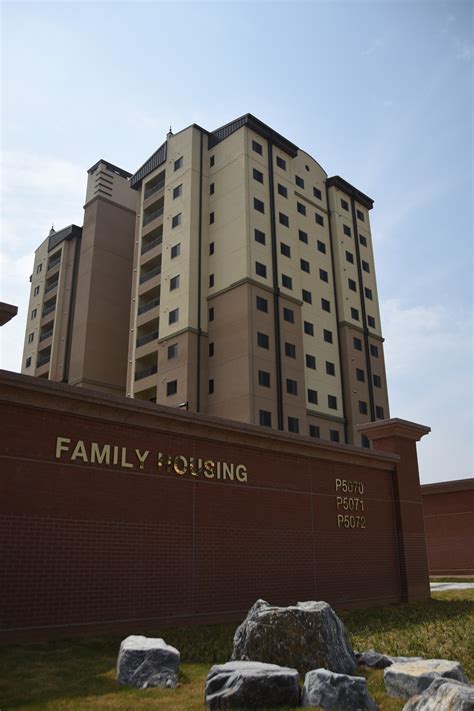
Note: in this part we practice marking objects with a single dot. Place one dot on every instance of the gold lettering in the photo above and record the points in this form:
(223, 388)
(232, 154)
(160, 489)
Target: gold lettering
(124, 462)
(142, 457)
(192, 466)
(164, 460)
(100, 455)
(209, 469)
(338, 484)
(116, 455)
(62, 446)
(79, 452)
(184, 464)
(241, 473)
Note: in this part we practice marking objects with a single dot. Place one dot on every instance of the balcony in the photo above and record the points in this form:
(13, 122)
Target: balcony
(152, 243)
(147, 338)
(43, 357)
(148, 305)
(46, 334)
(151, 188)
(146, 276)
(54, 261)
(48, 308)
(52, 285)
(148, 216)
(145, 372)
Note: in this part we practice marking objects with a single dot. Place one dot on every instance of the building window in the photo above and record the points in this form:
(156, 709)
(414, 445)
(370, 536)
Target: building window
(34, 313)
(362, 407)
(172, 351)
(260, 236)
(357, 344)
(301, 208)
(28, 362)
(211, 314)
(314, 431)
(317, 193)
(36, 291)
(212, 188)
(173, 316)
(262, 304)
(258, 205)
(321, 246)
(371, 321)
(368, 293)
(284, 219)
(211, 281)
(325, 305)
(175, 250)
(299, 181)
(211, 350)
(288, 315)
(354, 314)
(363, 240)
(364, 440)
(211, 218)
(310, 361)
(176, 220)
(178, 163)
(379, 412)
(265, 418)
(319, 218)
(211, 248)
(212, 160)
(286, 281)
(282, 190)
(347, 230)
(360, 375)
(174, 282)
(308, 328)
(313, 396)
(264, 379)
(327, 335)
(377, 381)
(303, 236)
(177, 191)
(360, 215)
(323, 275)
(307, 296)
(293, 425)
(39, 268)
(334, 435)
(350, 257)
(290, 350)
(374, 351)
(281, 163)
(285, 249)
(210, 389)
(261, 269)
(345, 205)
(332, 402)
(352, 284)
(365, 267)
(262, 340)
(291, 387)
(330, 368)
(31, 338)
(304, 265)
(257, 175)
(171, 388)
(257, 147)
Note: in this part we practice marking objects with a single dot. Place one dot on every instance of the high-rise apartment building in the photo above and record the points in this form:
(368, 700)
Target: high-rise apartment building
(254, 294)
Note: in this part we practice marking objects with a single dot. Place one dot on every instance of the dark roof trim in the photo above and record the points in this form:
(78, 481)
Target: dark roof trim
(66, 233)
(337, 182)
(259, 127)
(157, 159)
(447, 487)
(111, 167)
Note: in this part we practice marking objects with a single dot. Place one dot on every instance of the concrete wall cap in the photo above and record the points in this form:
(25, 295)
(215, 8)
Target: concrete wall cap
(394, 427)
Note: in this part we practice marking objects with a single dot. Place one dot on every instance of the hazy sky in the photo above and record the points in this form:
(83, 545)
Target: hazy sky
(378, 92)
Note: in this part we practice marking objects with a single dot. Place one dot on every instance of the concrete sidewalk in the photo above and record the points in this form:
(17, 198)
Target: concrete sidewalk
(439, 587)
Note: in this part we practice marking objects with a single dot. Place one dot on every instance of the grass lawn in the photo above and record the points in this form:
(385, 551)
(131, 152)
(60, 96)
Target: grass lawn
(80, 673)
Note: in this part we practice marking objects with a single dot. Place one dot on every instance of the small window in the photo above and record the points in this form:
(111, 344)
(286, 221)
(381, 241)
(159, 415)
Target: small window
(286, 281)
(360, 215)
(211, 218)
(212, 160)
(211, 350)
(262, 340)
(319, 218)
(293, 425)
(374, 351)
(173, 316)
(178, 163)
(321, 246)
(301, 208)
(310, 361)
(177, 191)
(282, 190)
(327, 335)
(258, 205)
(308, 328)
(363, 407)
(314, 431)
(39, 268)
(210, 388)
(357, 344)
(211, 314)
(211, 248)
(284, 219)
(281, 163)
(379, 412)
(325, 305)
(174, 283)
(364, 440)
(332, 402)
(365, 266)
(175, 250)
(313, 396)
(264, 379)
(317, 193)
(330, 368)
(212, 188)
(257, 175)
(172, 351)
(307, 296)
(377, 381)
(350, 257)
(260, 236)
(363, 240)
(31, 338)
(291, 387)
(371, 321)
(352, 284)
(344, 205)
(304, 265)
(334, 435)
(368, 293)
(171, 388)
(323, 275)
(265, 418)
(257, 147)
(176, 220)
(299, 181)
(211, 281)
(262, 304)
(355, 314)
(347, 230)
(360, 375)
(303, 236)
(285, 249)
(290, 350)
(261, 269)
(36, 291)
(288, 315)
(34, 313)
(28, 362)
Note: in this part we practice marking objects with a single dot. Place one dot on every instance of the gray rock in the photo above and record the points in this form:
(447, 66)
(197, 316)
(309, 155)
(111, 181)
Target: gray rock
(376, 660)
(305, 636)
(251, 685)
(143, 662)
(336, 691)
(412, 678)
(443, 695)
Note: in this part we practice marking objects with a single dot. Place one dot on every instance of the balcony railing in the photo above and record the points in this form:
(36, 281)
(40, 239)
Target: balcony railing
(140, 374)
(148, 217)
(149, 245)
(148, 305)
(147, 339)
(43, 359)
(46, 334)
(150, 190)
(149, 275)
(48, 310)
(51, 286)
(53, 263)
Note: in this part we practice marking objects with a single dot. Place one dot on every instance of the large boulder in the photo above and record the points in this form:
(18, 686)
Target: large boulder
(143, 662)
(443, 695)
(376, 660)
(305, 636)
(336, 691)
(412, 678)
(251, 685)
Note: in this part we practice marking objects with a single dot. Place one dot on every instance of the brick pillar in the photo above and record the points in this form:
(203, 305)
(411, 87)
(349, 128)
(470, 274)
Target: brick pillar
(400, 437)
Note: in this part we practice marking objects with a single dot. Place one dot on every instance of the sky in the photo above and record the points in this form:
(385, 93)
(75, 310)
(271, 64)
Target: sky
(380, 93)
